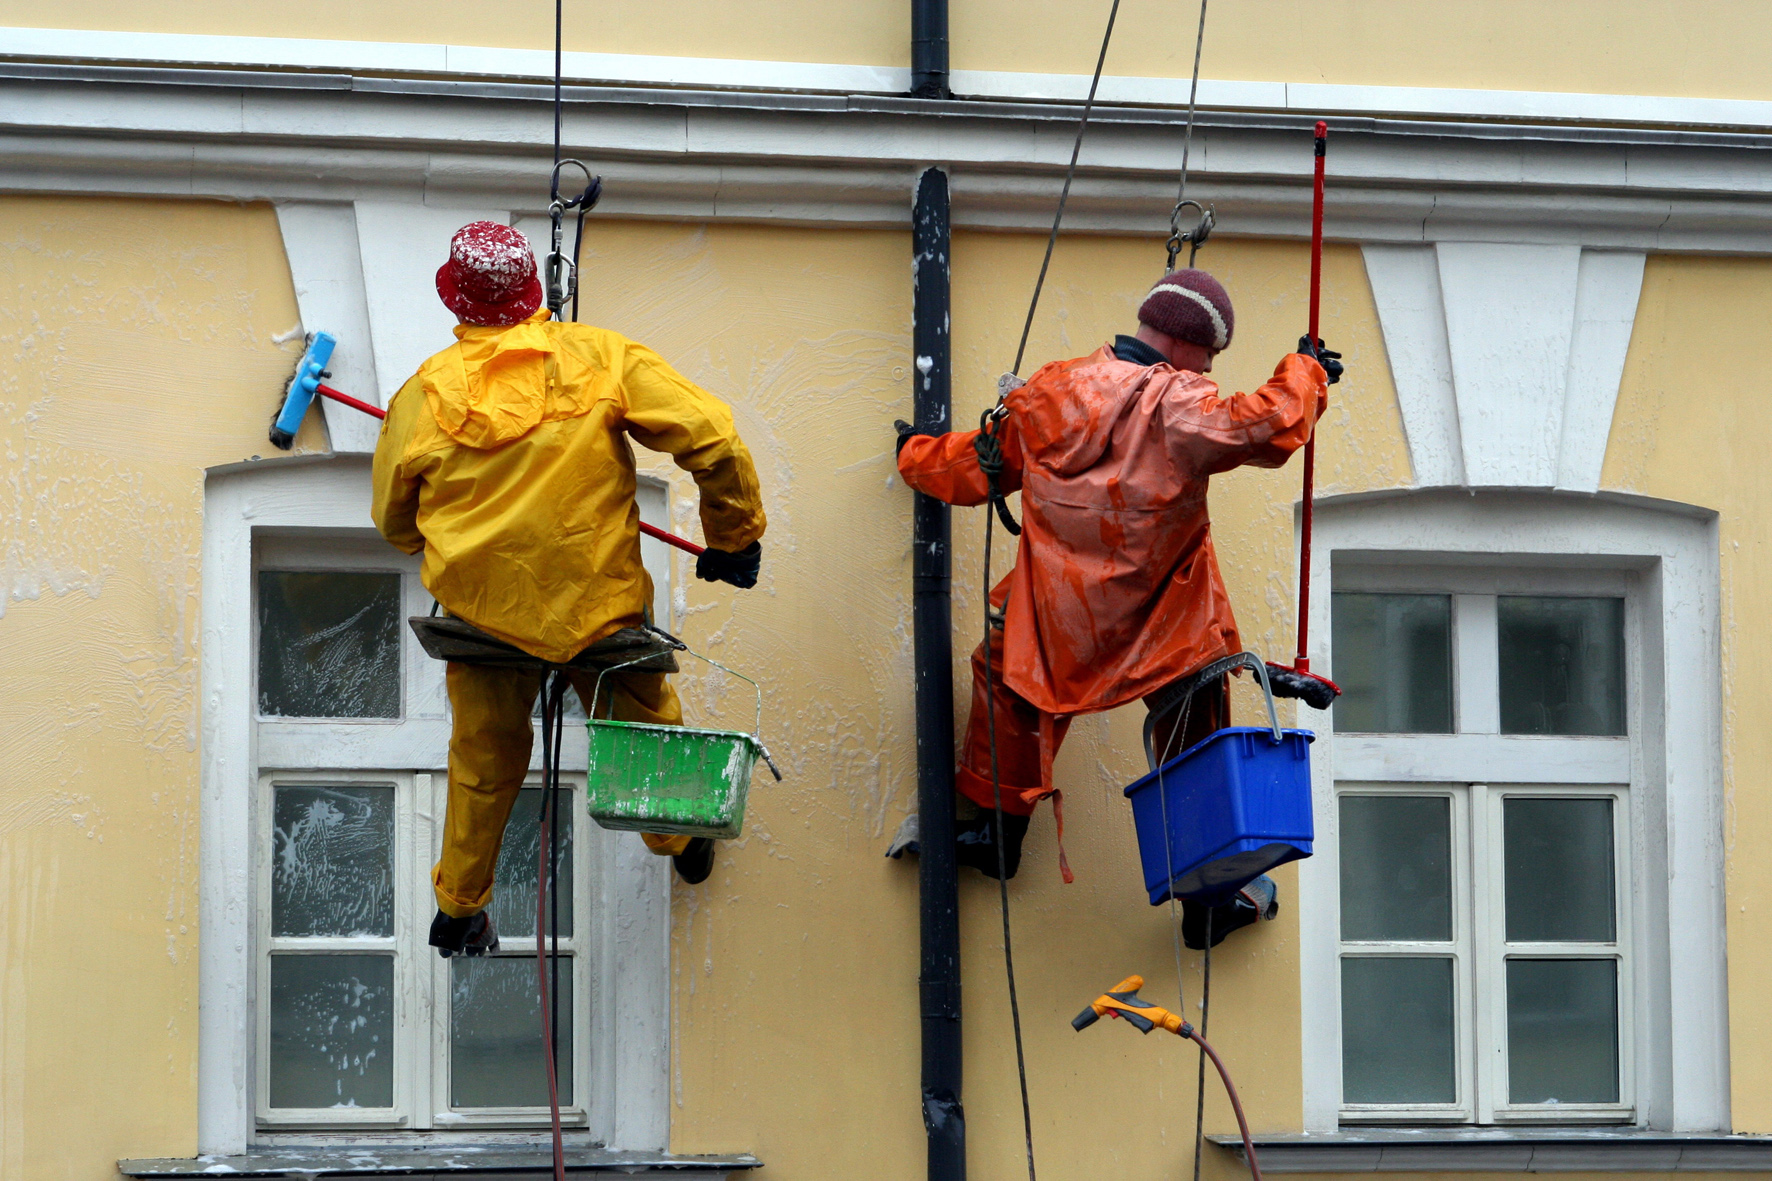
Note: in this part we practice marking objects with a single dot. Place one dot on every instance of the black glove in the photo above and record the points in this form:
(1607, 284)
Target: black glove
(906, 432)
(739, 569)
(1331, 362)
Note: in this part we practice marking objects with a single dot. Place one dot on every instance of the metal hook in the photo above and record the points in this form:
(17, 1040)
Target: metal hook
(1196, 237)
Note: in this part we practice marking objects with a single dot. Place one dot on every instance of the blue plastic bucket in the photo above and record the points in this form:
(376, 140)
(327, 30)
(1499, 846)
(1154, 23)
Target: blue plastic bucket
(1238, 804)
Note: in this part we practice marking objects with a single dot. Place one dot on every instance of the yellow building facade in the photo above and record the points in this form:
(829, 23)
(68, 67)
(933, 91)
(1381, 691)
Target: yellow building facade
(1547, 271)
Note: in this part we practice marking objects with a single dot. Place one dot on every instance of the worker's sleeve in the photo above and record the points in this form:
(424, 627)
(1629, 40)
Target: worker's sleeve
(665, 411)
(1261, 429)
(395, 504)
(946, 466)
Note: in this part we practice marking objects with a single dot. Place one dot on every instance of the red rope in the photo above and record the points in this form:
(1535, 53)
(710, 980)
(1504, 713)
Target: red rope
(1303, 661)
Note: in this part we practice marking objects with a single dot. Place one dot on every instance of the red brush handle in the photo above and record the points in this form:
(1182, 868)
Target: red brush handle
(1302, 662)
(688, 547)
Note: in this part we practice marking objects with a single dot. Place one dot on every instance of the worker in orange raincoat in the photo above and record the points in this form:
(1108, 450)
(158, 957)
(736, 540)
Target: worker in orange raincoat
(505, 460)
(1115, 593)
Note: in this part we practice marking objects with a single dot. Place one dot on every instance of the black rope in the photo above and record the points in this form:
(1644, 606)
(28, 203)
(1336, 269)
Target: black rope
(551, 777)
(1065, 194)
(1200, 1079)
(990, 461)
(990, 705)
(1197, 235)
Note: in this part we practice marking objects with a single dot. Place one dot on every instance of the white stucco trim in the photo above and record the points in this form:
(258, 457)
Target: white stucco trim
(631, 938)
(326, 264)
(1677, 753)
(842, 78)
(1507, 357)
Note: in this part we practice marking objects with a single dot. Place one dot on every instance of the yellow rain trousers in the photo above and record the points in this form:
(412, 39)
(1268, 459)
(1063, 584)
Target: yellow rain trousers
(505, 461)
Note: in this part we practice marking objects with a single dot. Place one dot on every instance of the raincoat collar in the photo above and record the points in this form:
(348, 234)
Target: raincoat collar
(466, 331)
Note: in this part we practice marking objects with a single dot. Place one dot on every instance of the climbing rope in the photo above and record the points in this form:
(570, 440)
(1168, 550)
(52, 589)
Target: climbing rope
(1064, 194)
(1197, 236)
(990, 455)
(547, 899)
(562, 270)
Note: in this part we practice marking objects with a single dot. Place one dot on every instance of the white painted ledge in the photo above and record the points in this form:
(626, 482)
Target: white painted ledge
(196, 49)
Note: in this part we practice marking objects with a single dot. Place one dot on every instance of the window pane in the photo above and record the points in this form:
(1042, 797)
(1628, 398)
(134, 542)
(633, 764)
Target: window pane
(1396, 1030)
(495, 1033)
(332, 1031)
(328, 644)
(1559, 870)
(1562, 1031)
(513, 883)
(1562, 665)
(332, 869)
(1396, 867)
(1393, 661)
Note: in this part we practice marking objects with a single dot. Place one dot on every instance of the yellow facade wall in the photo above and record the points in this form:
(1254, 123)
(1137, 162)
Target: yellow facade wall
(1715, 49)
(1688, 429)
(138, 351)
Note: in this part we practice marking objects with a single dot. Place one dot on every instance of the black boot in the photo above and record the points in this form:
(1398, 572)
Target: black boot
(1256, 902)
(474, 935)
(975, 841)
(695, 863)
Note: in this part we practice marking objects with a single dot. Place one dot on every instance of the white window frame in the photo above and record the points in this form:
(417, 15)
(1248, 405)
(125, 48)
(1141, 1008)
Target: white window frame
(625, 891)
(1523, 542)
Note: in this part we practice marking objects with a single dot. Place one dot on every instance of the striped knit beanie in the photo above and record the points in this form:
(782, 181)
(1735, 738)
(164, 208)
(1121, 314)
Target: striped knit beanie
(1190, 305)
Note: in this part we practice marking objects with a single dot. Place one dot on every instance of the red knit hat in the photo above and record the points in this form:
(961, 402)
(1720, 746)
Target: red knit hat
(1190, 305)
(489, 279)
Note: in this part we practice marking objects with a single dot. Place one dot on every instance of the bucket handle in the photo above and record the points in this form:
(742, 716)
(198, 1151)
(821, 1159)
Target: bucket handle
(679, 645)
(1181, 691)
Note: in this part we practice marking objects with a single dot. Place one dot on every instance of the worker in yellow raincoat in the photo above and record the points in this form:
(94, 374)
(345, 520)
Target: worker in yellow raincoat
(505, 460)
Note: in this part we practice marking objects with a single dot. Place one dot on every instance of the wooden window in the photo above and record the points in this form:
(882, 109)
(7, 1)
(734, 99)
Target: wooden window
(1486, 855)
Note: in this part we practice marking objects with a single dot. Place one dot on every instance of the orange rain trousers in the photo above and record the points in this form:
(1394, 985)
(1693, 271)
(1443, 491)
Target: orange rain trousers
(489, 760)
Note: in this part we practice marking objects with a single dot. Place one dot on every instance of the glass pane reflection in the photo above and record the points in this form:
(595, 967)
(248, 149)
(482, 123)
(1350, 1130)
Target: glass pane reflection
(1559, 870)
(495, 1033)
(328, 644)
(1562, 665)
(519, 860)
(332, 870)
(1396, 1030)
(1393, 661)
(1396, 867)
(332, 1031)
(1562, 1031)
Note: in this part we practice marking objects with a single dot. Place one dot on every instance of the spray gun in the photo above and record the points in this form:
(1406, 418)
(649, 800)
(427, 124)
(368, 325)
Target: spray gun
(1124, 1002)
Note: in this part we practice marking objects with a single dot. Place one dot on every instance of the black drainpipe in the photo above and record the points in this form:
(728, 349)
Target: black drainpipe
(929, 48)
(932, 623)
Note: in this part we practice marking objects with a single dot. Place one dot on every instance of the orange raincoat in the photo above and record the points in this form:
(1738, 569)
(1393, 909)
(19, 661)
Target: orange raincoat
(1116, 591)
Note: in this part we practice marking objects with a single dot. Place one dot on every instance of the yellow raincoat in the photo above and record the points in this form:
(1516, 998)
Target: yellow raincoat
(503, 460)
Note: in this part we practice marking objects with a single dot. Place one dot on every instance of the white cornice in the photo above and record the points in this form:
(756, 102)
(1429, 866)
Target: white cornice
(850, 159)
(625, 69)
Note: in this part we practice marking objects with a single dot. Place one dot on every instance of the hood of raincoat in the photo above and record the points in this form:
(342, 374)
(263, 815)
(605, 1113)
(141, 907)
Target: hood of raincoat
(499, 385)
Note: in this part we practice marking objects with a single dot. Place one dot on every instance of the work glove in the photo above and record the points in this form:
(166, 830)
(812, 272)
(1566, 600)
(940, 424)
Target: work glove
(907, 432)
(739, 569)
(1330, 361)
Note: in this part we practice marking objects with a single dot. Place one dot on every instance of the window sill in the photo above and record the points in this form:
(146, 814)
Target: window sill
(486, 1162)
(1506, 1150)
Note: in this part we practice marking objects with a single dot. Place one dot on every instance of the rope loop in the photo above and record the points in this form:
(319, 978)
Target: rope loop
(990, 461)
(1194, 238)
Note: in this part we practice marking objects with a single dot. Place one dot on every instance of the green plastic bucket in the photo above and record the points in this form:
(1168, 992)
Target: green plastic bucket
(646, 778)
(671, 779)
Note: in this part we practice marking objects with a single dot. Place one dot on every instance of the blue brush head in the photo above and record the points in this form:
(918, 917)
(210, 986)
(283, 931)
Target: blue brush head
(300, 395)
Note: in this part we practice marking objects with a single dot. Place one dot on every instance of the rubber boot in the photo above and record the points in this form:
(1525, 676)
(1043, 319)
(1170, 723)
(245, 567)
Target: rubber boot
(975, 841)
(474, 935)
(696, 861)
(1257, 902)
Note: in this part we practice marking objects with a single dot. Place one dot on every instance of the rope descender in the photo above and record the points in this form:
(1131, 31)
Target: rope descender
(562, 269)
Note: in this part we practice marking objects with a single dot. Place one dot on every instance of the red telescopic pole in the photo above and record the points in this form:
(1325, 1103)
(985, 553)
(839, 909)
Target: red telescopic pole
(688, 547)
(1302, 662)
